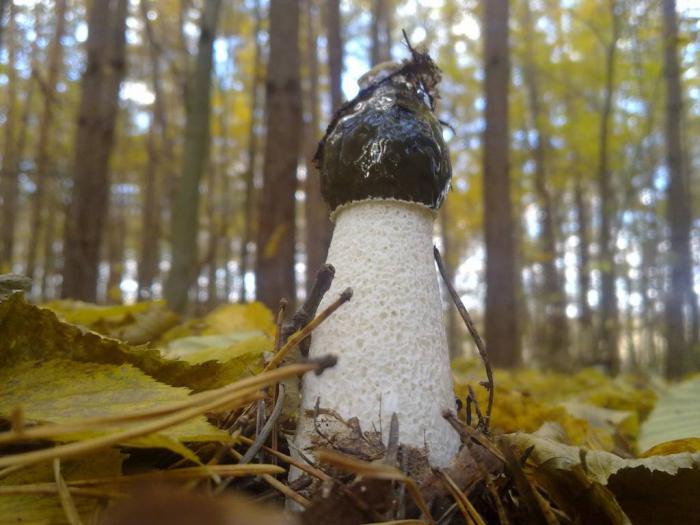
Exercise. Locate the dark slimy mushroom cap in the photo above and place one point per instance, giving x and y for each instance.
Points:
(387, 142)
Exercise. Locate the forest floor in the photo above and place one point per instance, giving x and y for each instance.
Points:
(99, 403)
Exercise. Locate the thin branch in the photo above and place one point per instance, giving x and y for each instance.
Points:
(64, 495)
(306, 313)
(480, 346)
(265, 432)
(299, 336)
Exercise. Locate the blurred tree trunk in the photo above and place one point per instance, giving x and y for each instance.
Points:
(583, 275)
(609, 321)
(585, 336)
(678, 208)
(160, 153)
(185, 216)
(44, 177)
(149, 258)
(276, 232)
(380, 31)
(99, 105)
(214, 231)
(630, 326)
(318, 225)
(9, 186)
(250, 200)
(555, 330)
(227, 207)
(8, 190)
(116, 235)
(50, 235)
(502, 334)
(3, 7)
(334, 37)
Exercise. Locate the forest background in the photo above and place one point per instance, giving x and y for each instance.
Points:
(163, 149)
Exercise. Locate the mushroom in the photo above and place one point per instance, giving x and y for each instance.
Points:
(385, 171)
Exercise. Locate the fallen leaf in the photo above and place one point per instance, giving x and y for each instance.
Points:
(63, 391)
(675, 416)
(46, 508)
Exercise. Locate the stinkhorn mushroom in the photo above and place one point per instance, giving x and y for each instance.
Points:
(385, 170)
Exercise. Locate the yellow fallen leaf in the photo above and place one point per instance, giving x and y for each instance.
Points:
(63, 391)
(673, 447)
(46, 508)
(675, 416)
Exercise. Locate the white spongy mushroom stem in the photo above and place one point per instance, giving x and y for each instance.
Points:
(390, 338)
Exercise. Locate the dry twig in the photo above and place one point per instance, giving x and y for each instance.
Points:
(465, 506)
(300, 335)
(480, 346)
(64, 495)
(376, 471)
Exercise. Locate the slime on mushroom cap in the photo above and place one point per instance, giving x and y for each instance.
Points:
(386, 144)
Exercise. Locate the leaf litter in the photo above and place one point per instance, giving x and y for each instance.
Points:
(88, 417)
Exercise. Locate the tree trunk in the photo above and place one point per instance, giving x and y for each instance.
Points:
(250, 201)
(9, 157)
(150, 220)
(99, 106)
(380, 32)
(3, 6)
(678, 209)
(335, 53)
(214, 231)
(227, 196)
(44, 172)
(115, 252)
(160, 155)
(185, 216)
(9, 186)
(276, 232)
(609, 323)
(318, 225)
(50, 234)
(502, 334)
(555, 328)
(585, 315)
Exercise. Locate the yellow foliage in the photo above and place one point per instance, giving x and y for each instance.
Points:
(673, 447)
(226, 319)
(46, 508)
(590, 408)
